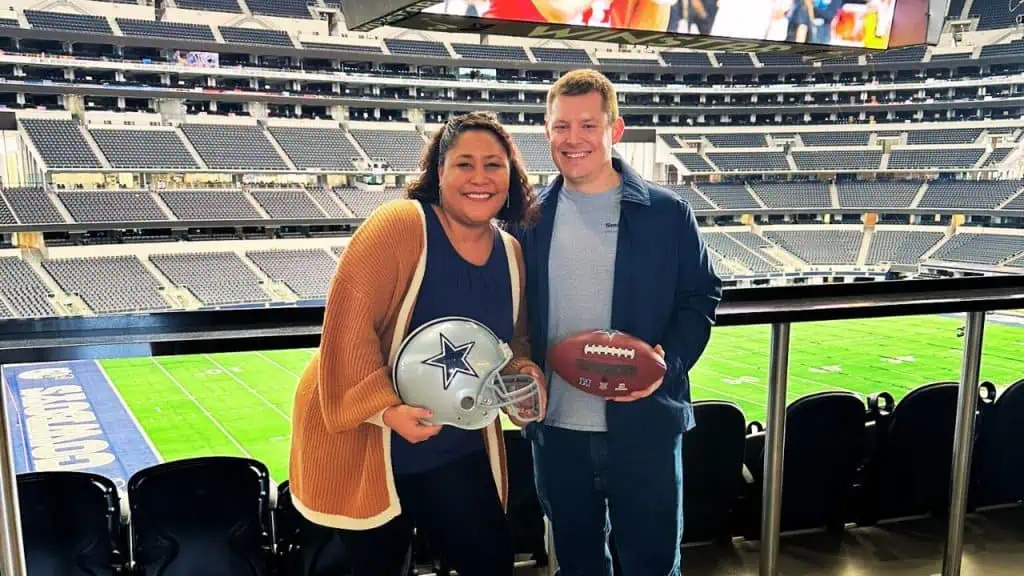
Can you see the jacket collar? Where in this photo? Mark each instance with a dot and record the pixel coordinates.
(634, 187)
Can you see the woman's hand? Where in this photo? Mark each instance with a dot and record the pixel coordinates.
(533, 371)
(410, 423)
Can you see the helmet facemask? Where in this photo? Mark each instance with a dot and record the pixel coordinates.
(517, 394)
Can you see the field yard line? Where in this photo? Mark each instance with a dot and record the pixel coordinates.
(200, 406)
(246, 386)
(718, 390)
(131, 414)
(283, 369)
(790, 376)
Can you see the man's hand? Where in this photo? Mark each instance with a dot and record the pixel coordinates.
(646, 391)
(410, 422)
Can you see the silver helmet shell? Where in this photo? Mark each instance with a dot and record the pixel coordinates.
(452, 367)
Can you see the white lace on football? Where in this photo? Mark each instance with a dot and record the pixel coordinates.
(602, 350)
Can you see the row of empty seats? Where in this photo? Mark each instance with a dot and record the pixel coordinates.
(62, 144)
(226, 278)
(764, 254)
(816, 196)
(847, 460)
(124, 284)
(38, 206)
(853, 136)
(845, 160)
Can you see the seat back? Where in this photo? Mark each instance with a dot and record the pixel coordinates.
(998, 475)
(824, 443)
(201, 517)
(909, 473)
(305, 548)
(71, 524)
(712, 470)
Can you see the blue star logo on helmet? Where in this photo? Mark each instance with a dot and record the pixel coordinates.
(453, 360)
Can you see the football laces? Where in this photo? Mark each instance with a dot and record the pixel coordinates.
(615, 351)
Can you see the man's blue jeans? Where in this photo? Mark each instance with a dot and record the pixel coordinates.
(586, 493)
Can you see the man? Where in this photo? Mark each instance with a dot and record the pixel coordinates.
(612, 251)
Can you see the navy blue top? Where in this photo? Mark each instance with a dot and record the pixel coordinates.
(453, 286)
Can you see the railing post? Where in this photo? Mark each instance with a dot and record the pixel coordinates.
(966, 408)
(775, 442)
(12, 553)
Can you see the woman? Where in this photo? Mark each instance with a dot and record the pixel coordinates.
(363, 462)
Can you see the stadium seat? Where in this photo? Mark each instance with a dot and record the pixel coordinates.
(305, 548)
(201, 517)
(712, 470)
(823, 447)
(71, 524)
(998, 471)
(908, 473)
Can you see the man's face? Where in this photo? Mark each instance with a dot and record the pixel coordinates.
(581, 139)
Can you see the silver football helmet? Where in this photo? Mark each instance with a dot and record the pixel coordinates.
(452, 367)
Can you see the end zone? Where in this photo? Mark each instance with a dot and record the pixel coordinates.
(69, 416)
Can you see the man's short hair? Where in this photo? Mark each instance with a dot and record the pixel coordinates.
(585, 81)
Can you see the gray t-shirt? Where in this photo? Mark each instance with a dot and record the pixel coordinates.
(581, 272)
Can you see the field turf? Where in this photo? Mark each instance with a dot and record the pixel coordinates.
(240, 403)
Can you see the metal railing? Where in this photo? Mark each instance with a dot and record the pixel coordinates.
(171, 333)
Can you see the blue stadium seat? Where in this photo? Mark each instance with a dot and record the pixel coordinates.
(712, 470)
(998, 471)
(201, 517)
(824, 445)
(305, 548)
(71, 524)
(908, 473)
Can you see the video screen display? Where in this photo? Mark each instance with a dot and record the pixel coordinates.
(838, 23)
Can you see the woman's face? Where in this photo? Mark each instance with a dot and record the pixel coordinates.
(475, 178)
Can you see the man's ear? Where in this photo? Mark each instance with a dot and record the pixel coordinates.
(618, 129)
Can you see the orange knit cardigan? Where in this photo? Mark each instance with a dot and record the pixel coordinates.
(340, 466)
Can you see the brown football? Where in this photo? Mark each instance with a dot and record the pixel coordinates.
(606, 363)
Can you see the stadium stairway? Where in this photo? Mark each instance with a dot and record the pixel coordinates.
(849, 464)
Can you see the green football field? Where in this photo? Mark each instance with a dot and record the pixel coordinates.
(240, 403)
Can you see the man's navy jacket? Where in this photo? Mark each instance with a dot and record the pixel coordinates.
(665, 292)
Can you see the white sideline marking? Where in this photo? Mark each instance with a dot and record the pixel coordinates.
(131, 414)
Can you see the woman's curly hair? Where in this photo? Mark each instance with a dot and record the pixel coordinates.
(521, 208)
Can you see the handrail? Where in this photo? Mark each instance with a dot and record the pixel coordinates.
(164, 333)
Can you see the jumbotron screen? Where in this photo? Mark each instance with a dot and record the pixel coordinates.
(809, 27)
(861, 24)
